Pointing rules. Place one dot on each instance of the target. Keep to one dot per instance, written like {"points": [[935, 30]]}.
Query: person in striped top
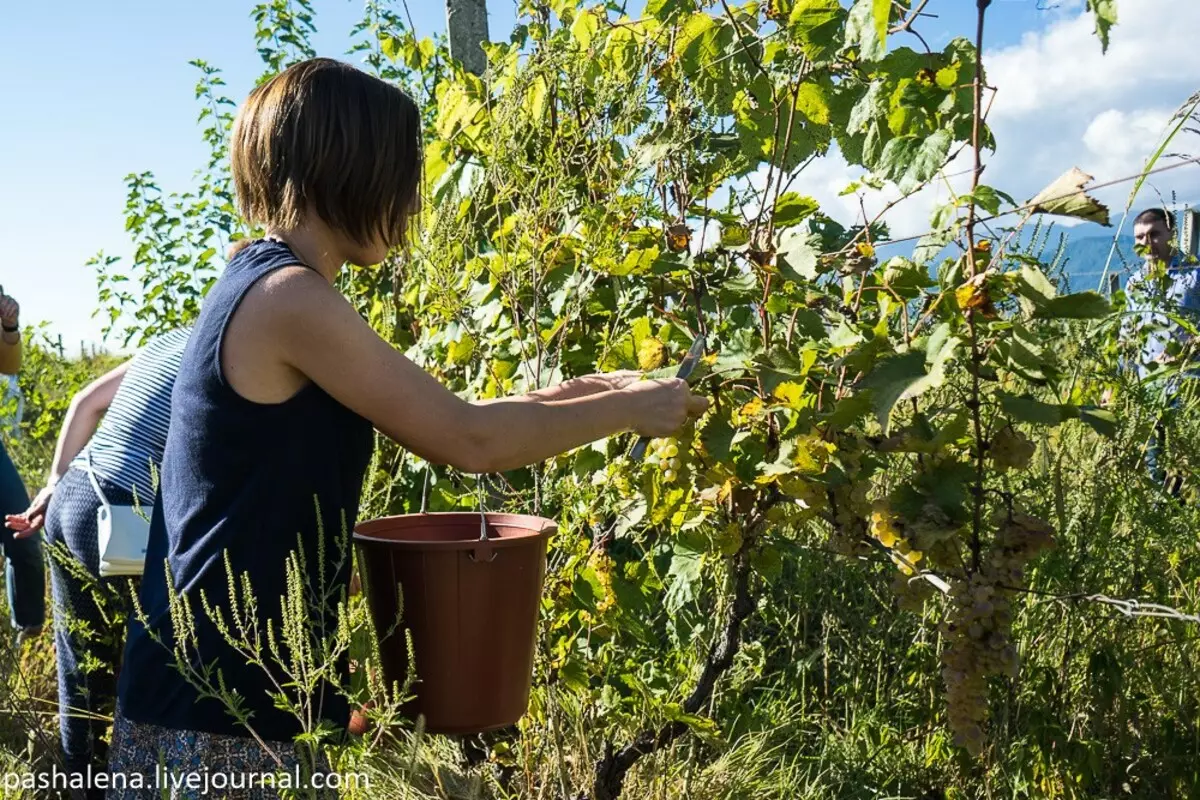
{"points": [[117, 428]]}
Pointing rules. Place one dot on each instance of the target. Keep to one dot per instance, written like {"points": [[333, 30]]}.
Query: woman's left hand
{"points": [[32, 519]]}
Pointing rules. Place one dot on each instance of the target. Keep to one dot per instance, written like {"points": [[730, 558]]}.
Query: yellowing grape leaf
{"points": [[1066, 198]]}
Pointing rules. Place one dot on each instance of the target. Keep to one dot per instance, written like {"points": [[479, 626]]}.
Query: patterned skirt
{"points": [[147, 762]]}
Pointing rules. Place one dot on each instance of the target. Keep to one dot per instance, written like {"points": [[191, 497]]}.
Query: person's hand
{"points": [[613, 381], [664, 405], [10, 311], [31, 520]]}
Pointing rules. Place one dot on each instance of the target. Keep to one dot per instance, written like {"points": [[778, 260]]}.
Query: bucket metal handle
{"points": [[425, 487], [483, 553]]}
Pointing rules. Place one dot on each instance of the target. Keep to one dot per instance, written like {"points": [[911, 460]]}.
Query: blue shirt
{"points": [[251, 485], [1177, 292], [133, 434]]}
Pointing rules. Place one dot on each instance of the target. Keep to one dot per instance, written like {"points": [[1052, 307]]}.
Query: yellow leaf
{"points": [[812, 453], [751, 411], [651, 354], [790, 394], [1065, 197]]}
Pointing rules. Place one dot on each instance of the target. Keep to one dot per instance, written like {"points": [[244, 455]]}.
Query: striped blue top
{"points": [[133, 433]]}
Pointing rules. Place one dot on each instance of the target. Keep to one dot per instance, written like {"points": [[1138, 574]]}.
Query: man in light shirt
{"points": [[1167, 283]]}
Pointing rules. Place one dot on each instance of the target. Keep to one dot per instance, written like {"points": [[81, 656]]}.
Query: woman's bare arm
{"points": [[313, 329]]}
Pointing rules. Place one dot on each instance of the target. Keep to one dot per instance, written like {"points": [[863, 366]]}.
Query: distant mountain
{"points": [[1085, 251], [1081, 263], [1083, 260]]}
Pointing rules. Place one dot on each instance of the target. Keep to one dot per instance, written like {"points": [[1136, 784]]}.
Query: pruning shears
{"points": [[694, 354]]}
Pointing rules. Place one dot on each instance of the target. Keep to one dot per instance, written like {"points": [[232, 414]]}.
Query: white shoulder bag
{"points": [[123, 533]]}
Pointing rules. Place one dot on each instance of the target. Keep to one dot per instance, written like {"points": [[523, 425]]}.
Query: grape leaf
{"points": [[1065, 197], [1100, 420], [1026, 409], [1105, 12], [866, 28], [814, 24], [909, 374], [684, 577], [792, 209], [912, 160], [797, 258], [1082, 305]]}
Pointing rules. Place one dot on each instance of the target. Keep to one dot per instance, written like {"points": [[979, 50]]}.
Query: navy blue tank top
{"points": [[255, 484]]}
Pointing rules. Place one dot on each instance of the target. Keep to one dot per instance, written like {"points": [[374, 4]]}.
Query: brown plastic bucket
{"points": [[471, 606]]}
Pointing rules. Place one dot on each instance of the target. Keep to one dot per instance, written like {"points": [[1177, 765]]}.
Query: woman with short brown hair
{"points": [[281, 388]]}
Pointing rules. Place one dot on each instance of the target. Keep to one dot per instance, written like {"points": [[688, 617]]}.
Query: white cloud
{"points": [[1117, 140], [1061, 70], [1060, 102]]}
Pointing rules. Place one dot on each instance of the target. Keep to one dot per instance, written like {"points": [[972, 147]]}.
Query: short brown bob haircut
{"points": [[326, 136]]}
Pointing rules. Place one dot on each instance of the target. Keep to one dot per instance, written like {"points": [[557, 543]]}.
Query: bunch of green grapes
{"points": [[851, 508], [888, 531], [911, 593], [977, 629], [666, 454], [1010, 449], [891, 532], [978, 626], [1019, 539]]}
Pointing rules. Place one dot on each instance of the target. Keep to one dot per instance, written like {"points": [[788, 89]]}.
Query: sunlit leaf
{"points": [[910, 161], [866, 27], [1083, 305], [1105, 12], [816, 25], [792, 209], [1065, 197]]}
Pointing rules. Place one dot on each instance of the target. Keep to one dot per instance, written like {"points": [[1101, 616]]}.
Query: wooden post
{"points": [[466, 21]]}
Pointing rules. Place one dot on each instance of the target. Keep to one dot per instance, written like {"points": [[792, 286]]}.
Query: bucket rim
{"points": [[535, 529]]}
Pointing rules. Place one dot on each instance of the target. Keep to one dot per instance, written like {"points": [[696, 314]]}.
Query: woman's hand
{"points": [[612, 381], [665, 405], [32, 519]]}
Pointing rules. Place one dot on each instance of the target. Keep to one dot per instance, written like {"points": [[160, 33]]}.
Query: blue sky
{"points": [[94, 91]]}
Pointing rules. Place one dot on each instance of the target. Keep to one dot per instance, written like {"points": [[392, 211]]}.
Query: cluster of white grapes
{"points": [[978, 626], [911, 593], [1010, 449], [886, 528], [850, 507], [666, 453]]}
